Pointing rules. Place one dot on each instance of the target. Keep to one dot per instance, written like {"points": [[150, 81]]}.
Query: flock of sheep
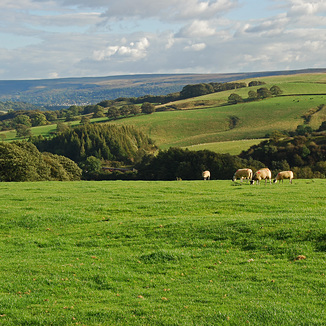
{"points": [[262, 174]]}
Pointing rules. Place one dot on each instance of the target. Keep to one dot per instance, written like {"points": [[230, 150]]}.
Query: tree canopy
{"points": [[21, 161], [107, 142]]}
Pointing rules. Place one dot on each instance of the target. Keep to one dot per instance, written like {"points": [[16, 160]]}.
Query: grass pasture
{"points": [[206, 119], [256, 119], [162, 253], [234, 147]]}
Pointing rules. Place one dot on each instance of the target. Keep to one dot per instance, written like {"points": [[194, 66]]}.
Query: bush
{"points": [[148, 108]]}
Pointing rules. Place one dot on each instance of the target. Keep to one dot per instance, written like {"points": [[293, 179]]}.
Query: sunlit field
{"points": [[163, 253], [234, 147], [206, 119]]}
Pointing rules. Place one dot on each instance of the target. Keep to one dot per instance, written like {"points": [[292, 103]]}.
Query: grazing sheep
{"points": [[284, 175], [242, 174], [206, 175], [262, 174]]}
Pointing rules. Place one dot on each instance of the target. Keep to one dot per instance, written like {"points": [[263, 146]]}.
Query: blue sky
{"points": [[77, 38]]}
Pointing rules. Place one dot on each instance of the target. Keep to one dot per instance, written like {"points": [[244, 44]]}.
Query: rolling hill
{"points": [[90, 90], [207, 122], [188, 125]]}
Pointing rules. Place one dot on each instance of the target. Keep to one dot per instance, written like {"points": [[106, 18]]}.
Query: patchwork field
{"points": [[162, 253]]}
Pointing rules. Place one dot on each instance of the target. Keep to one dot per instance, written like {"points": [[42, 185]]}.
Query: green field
{"points": [[163, 253], [234, 147], [256, 119], [205, 119]]}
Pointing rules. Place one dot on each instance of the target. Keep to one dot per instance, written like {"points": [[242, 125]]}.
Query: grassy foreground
{"points": [[162, 253]]}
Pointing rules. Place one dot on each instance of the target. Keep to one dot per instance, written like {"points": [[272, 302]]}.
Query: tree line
{"points": [[94, 145], [261, 93], [192, 90], [81, 153], [304, 154]]}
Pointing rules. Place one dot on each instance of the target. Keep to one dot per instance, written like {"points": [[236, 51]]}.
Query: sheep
{"points": [[206, 175], [242, 174], [262, 174], [284, 175]]}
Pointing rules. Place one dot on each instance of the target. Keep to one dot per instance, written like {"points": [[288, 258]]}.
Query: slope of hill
{"points": [[214, 122], [69, 91], [209, 119]]}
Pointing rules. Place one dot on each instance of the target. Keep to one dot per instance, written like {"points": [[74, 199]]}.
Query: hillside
{"points": [[90, 90], [210, 122], [208, 118]]}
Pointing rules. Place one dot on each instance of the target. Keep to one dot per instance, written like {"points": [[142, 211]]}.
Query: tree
{"points": [[98, 112], [147, 108], [23, 131], [61, 127], [196, 90], [74, 110], [235, 98], [84, 120], [124, 110], [256, 83], [252, 95], [302, 130], [276, 135], [38, 119], [275, 90], [91, 165], [51, 115], [264, 92], [106, 103], [22, 119], [71, 117], [113, 112], [134, 109], [21, 161]]}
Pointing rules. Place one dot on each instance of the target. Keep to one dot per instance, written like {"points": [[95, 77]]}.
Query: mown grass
{"points": [[162, 253]]}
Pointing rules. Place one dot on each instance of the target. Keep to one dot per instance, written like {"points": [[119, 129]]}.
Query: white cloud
{"points": [[133, 51], [303, 7], [165, 10], [196, 47], [268, 26], [197, 29], [53, 75]]}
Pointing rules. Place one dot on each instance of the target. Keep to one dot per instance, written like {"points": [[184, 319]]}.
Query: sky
{"points": [[42, 39]]}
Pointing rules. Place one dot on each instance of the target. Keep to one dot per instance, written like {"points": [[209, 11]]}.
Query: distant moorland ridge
{"points": [[88, 90]]}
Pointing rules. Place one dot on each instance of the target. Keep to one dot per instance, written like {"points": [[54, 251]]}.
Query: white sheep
{"points": [[242, 174], [284, 175], [262, 174], [206, 175]]}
